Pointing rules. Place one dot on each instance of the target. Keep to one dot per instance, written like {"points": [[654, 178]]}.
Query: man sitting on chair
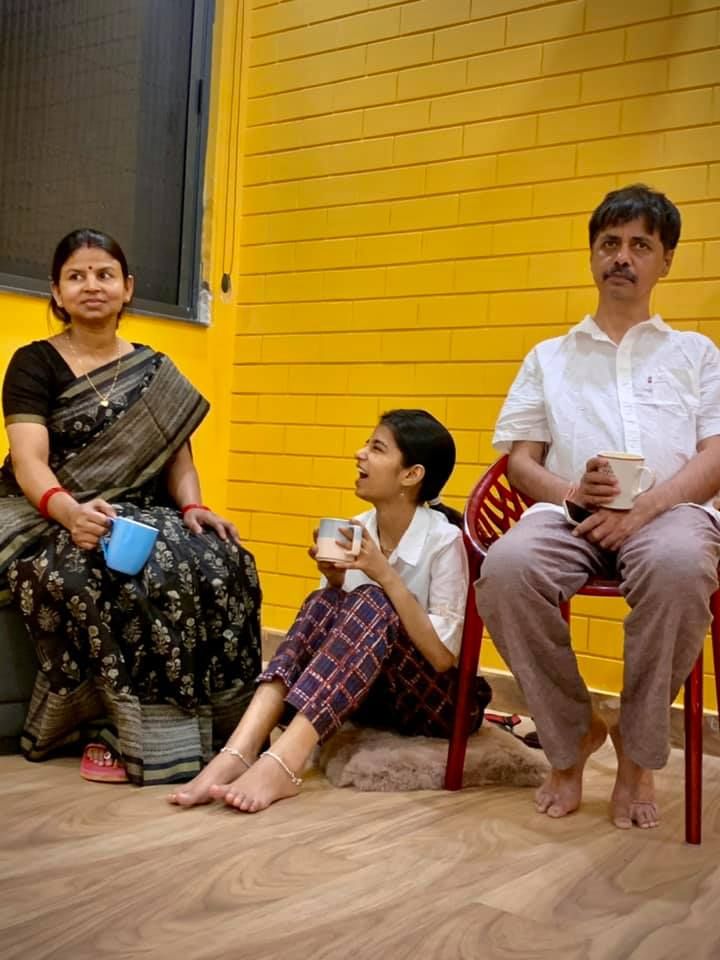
{"points": [[621, 380]]}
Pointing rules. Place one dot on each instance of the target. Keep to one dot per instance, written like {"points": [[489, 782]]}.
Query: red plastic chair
{"points": [[493, 507]]}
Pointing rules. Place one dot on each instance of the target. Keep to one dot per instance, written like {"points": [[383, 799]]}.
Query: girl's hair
{"points": [[421, 438], [85, 237]]}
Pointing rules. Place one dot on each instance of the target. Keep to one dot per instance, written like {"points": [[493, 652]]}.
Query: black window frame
{"points": [[190, 272]]}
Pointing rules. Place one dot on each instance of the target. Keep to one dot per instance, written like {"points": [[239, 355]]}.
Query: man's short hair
{"points": [[638, 202]]}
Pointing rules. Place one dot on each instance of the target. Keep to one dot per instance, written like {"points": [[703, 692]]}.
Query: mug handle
{"points": [[105, 540], [639, 488], [356, 540]]}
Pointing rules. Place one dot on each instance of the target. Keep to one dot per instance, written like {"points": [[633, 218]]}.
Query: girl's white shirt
{"points": [[431, 560]]}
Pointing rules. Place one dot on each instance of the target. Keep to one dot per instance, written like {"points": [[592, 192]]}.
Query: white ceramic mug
{"points": [[629, 470], [328, 549]]}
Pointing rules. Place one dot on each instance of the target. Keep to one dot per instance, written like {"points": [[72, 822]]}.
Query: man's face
{"points": [[627, 261]]}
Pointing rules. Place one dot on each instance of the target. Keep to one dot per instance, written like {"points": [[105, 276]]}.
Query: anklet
{"points": [[296, 780], [236, 753]]}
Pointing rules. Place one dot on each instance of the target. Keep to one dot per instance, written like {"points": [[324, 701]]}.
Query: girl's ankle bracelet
{"points": [[236, 753]]}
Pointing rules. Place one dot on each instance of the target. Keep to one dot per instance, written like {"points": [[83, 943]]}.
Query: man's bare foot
{"points": [[562, 791], [220, 772], [263, 784], [633, 797]]}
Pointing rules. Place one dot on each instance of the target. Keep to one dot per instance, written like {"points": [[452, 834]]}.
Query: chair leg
{"points": [[693, 752], [715, 633], [467, 669]]}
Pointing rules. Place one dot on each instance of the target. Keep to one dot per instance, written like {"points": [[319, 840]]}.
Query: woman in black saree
{"points": [[156, 668]]}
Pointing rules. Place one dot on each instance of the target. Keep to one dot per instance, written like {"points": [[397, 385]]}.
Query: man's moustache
{"points": [[619, 273]]}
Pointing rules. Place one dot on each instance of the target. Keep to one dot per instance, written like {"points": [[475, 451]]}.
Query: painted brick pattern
{"points": [[416, 182]]}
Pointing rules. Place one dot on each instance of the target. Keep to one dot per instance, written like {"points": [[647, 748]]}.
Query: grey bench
{"points": [[18, 666]]}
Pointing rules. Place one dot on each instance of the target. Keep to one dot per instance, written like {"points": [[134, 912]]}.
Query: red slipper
{"points": [[92, 770]]}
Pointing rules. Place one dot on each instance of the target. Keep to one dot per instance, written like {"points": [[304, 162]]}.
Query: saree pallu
{"points": [[160, 666]]}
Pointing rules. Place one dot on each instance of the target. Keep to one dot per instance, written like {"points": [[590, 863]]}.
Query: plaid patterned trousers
{"points": [[347, 656]]}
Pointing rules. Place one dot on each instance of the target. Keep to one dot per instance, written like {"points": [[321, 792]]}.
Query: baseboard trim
{"points": [[508, 698], [271, 640]]}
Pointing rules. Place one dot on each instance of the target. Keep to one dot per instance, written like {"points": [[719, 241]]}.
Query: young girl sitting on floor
{"points": [[377, 643]]}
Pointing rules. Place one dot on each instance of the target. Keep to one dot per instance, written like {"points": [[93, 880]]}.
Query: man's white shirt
{"points": [[656, 393]]}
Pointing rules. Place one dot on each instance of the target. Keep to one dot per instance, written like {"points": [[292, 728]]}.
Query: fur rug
{"points": [[378, 760]]}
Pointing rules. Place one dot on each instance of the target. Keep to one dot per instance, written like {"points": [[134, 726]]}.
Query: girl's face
{"points": [[382, 475], [92, 287]]}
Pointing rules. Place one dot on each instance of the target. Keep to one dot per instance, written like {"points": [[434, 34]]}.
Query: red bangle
{"points": [[193, 506], [45, 499]]}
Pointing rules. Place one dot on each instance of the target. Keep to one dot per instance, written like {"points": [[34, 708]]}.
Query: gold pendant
{"points": [[105, 402]]}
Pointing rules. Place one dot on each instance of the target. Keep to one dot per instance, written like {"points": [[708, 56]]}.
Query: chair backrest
{"points": [[492, 508]]}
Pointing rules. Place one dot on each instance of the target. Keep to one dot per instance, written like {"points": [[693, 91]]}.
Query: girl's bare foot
{"points": [[633, 797], [221, 771], [263, 784], [562, 791]]}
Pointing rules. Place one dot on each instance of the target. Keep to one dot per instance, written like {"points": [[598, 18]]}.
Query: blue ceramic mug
{"points": [[128, 545]]}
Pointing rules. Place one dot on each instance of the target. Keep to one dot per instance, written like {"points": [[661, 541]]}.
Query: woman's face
{"points": [[381, 472], [91, 287]]}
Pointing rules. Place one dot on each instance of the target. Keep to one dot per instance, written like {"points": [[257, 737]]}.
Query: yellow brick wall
{"points": [[416, 182]]}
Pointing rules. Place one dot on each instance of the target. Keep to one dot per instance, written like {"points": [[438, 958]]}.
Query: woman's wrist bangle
{"points": [[193, 506], [46, 497]]}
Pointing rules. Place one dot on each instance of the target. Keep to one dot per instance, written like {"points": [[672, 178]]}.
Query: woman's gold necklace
{"points": [[386, 551], [104, 398]]}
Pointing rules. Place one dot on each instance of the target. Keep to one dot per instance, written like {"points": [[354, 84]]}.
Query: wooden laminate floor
{"points": [[95, 871]]}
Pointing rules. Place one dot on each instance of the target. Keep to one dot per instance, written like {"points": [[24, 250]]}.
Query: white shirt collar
{"points": [[411, 544], [588, 325]]}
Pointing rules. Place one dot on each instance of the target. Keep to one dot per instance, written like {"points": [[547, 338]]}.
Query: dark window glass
{"points": [[102, 106]]}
